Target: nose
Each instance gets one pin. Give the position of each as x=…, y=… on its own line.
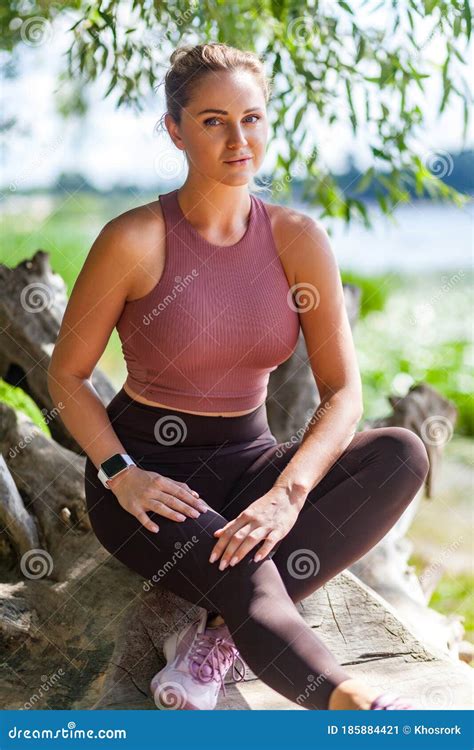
x=236, y=137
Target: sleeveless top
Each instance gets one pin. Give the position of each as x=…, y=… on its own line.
x=217, y=323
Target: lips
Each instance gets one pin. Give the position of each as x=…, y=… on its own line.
x=242, y=159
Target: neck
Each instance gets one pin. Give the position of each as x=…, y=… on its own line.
x=214, y=206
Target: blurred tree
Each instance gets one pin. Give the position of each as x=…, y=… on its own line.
x=334, y=62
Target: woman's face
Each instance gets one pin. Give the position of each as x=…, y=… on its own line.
x=225, y=119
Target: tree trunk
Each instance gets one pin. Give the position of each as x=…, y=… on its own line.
x=77, y=629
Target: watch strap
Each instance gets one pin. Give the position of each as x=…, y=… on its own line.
x=104, y=476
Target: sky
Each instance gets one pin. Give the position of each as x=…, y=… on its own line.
x=113, y=146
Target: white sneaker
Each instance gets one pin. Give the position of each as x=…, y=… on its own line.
x=198, y=659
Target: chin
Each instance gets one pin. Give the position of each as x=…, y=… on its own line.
x=237, y=179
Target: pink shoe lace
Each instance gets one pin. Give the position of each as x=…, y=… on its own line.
x=390, y=701
x=214, y=665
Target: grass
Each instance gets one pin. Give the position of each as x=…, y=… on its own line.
x=453, y=595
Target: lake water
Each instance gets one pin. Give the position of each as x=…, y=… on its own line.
x=422, y=236
x=426, y=236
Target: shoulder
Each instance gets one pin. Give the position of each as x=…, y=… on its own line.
x=135, y=241
x=132, y=228
x=300, y=239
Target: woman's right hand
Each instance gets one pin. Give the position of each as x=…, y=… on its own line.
x=138, y=491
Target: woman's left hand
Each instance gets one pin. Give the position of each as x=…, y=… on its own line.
x=269, y=518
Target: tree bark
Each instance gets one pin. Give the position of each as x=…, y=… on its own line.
x=77, y=629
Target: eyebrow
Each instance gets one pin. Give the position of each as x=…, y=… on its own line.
x=223, y=112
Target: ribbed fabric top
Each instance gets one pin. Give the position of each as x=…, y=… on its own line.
x=218, y=321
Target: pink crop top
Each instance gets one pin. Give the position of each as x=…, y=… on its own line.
x=217, y=323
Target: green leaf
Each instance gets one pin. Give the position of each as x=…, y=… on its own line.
x=346, y=6
x=365, y=181
x=360, y=49
x=353, y=117
x=446, y=92
x=467, y=17
x=299, y=117
x=380, y=154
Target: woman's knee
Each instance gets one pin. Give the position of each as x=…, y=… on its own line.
x=403, y=448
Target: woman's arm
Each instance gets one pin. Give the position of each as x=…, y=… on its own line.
x=319, y=296
x=93, y=309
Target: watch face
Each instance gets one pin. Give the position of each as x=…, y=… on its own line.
x=113, y=465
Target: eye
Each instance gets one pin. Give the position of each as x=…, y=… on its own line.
x=210, y=119
x=216, y=119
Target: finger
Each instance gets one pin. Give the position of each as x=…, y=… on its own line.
x=163, y=510
x=233, y=544
x=267, y=546
x=186, y=486
x=230, y=524
x=147, y=522
x=165, y=484
x=173, y=488
x=221, y=530
x=173, y=502
x=229, y=530
x=251, y=540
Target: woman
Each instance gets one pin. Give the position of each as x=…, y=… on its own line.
x=185, y=483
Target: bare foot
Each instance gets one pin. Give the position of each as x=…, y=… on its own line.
x=352, y=695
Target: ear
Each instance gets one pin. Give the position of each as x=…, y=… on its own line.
x=173, y=130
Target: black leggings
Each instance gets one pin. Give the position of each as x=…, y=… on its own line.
x=232, y=461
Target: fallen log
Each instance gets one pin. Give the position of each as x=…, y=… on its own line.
x=77, y=629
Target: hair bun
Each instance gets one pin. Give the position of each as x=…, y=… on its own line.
x=189, y=62
x=180, y=52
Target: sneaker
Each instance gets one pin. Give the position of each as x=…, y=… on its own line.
x=198, y=659
x=390, y=702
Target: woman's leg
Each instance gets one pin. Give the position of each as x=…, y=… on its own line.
x=269, y=632
x=348, y=512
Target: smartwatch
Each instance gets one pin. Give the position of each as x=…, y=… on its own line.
x=113, y=466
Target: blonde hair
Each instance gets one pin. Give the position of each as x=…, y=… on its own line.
x=188, y=64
